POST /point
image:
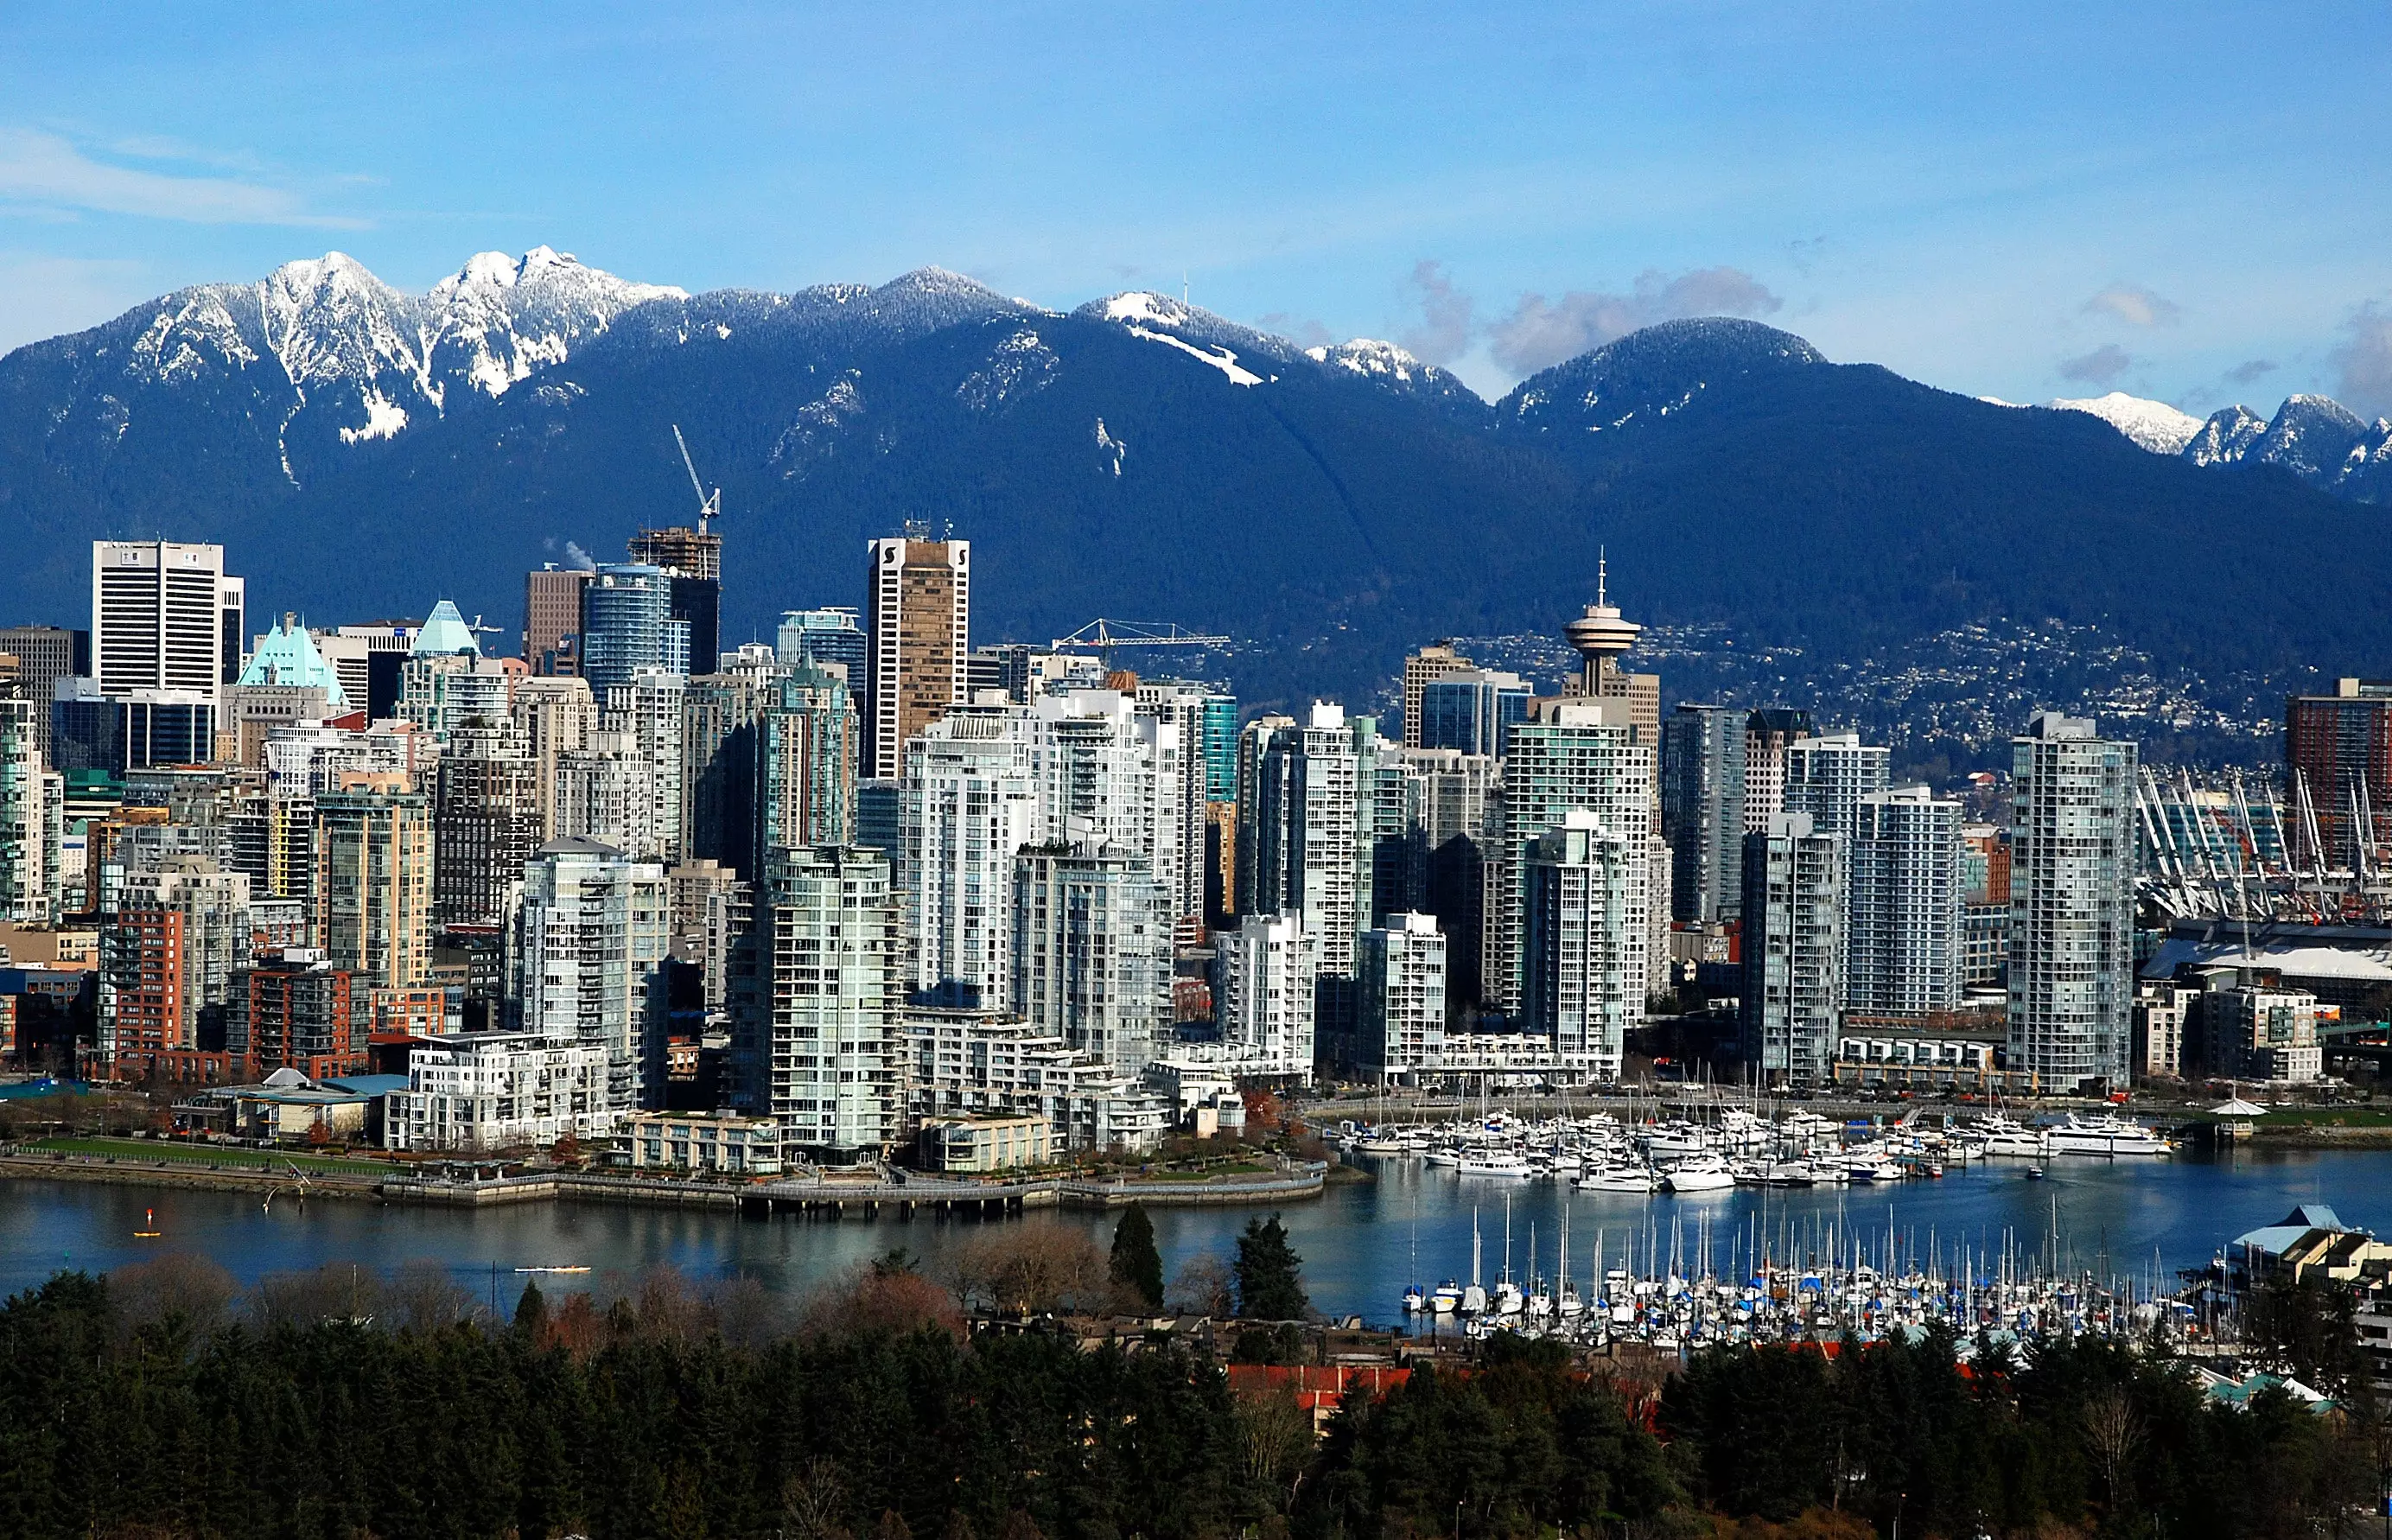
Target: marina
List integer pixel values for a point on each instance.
(1364, 1243)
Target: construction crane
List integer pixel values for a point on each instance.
(710, 504)
(1105, 636)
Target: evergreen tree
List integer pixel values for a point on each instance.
(1136, 1262)
(1270, 1281)
(531, 1312)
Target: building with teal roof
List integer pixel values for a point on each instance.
(287, 655)
(445, 633)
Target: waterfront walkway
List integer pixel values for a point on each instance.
(822, 1196)
(815, 1195)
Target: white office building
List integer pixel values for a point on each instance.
(970, 800)
(1180, 784)
(1585, 981)
(590, 942)
(1083, 769)
(1827, 776)
(1400, 991)
(164, 616)
(1264, 972)
(1579, 753)
(2072, 904)
(488, 1092)
(1092, 951)
(1793, 951)
(1904, 942)
(1307, 850)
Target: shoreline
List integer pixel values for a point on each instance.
(813, 1199)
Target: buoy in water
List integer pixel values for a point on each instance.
(148, 1231)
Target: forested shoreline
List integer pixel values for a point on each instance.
(151, 1406)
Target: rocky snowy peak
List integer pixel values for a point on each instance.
(2314, 438)
(332, 324)
(1367, 355)
(2153, 425)
(2310, 435)
(1240, 353)
(1650, 375)
(925, 300)
(2223, 439)
(499, 319)
(2367, 469)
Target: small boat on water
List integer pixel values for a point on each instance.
(1617, 1178)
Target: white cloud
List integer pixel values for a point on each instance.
(2366, 361)
(1444, 332)
(1541, 333)
(46, 170)
(2134, 305)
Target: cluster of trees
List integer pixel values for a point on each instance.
(2085, 1435)
(627, 1424)
(159, 1403)
(142, 1405)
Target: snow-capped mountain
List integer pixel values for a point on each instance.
(362, 450)
(370, 357)
(2316, 438)
(2154, 425)
(2225, 437)
(1649, 374)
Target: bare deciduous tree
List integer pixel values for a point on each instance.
(813, 1503)
(337, 1291)
(1032, 1268)
(192, 1290)
(1203, 1286)
(423, 1297)
(2113, 1432)
(1274, 1440)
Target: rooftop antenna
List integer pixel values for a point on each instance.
(710, 504)
(1601, 572)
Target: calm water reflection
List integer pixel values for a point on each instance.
(1356, 1242)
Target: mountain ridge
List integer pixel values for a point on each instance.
(363, 451)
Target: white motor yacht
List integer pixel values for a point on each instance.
(1701, 1174)
(1617, 1178)
(1496, 1163)
(2108, 1134)
(2007, 1136)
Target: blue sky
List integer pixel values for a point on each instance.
(2023, 201)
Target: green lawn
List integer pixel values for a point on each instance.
(2345, 1117)
(140, 1150)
